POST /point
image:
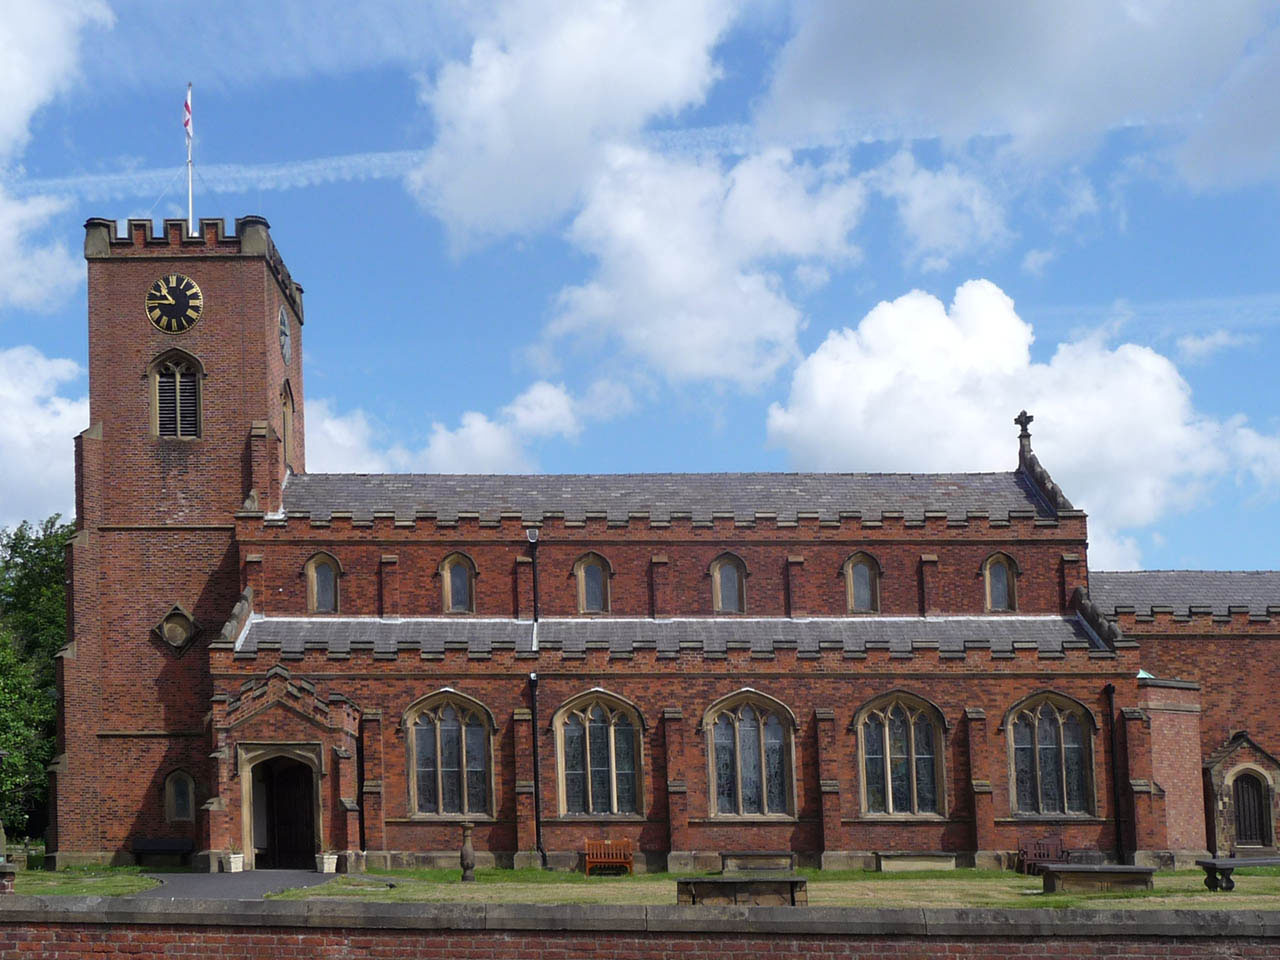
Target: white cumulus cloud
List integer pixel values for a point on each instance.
(685, 253)
(944, 212)
(1195, 348)
(521, 124)
(351, 443)
(920, 386)
(1052, 77)
(37, 455)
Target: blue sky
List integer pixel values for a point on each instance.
(697, 235)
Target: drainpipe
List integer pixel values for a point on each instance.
(537, 767)
(532, 535)
(1110, 691)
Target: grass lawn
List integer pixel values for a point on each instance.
(1257, 888)
(83, 882)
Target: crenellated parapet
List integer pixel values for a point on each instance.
(252, 238)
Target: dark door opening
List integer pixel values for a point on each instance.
(1251, 820)
(284, 826)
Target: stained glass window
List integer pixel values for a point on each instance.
(1052, 759)
(451, 759)
(752, 761)
(601, 750)
(900, 758)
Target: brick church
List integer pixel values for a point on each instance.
(268, 666)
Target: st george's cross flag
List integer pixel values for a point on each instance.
(186, 115)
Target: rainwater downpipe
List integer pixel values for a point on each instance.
(1118, 813)
(532, 534)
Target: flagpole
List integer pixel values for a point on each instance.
(191, 220)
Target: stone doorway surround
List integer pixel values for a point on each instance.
(1240, 756)
(249, 756)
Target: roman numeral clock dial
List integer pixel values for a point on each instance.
(174, 303)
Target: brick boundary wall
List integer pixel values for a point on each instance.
(102, 928)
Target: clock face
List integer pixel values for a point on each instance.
(174, 303)
(286, 343)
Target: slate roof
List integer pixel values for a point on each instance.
(1186, 591)
(661, 495)
(707, 636)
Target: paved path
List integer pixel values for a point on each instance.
(249, 885)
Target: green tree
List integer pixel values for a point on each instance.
(26, 736)
(33, 592)
(33, 627)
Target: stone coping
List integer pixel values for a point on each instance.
(790, 921)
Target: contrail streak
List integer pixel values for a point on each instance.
(700, 143)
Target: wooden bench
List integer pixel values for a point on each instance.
(609, 853)
(1095, 877)
(1217, 872)
(179, 847)
(1039, 852)
(735, 861)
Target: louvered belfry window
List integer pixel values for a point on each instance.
(177, 398)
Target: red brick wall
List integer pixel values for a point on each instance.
(69, 941)
(653, 684)
(817, 586)
(1176, 761)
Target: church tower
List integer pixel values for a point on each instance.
(196, 409)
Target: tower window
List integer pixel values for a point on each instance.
(176, 396)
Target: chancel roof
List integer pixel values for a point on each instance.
(662, 496)
(1186, 591)
(707, 636)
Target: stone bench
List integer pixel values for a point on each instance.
(1217, 871)
(167, 849)
(734, 861)
(749, 889)
(1095, 878)
(924, 860)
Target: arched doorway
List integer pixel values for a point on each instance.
(1250, 798)
(283, 821)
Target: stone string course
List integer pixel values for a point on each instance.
(100, 928)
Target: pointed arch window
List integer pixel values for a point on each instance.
(1052, 747)
(598, 753)
(999, 576)
(728, 584)
(593, 574)
(322, 584)
(862, 583)
(179, 796)
(451, 746)
(902, 758)
(175, 395)
(751, 744)
(458, 581)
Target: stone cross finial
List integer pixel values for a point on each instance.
(1024, 420)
